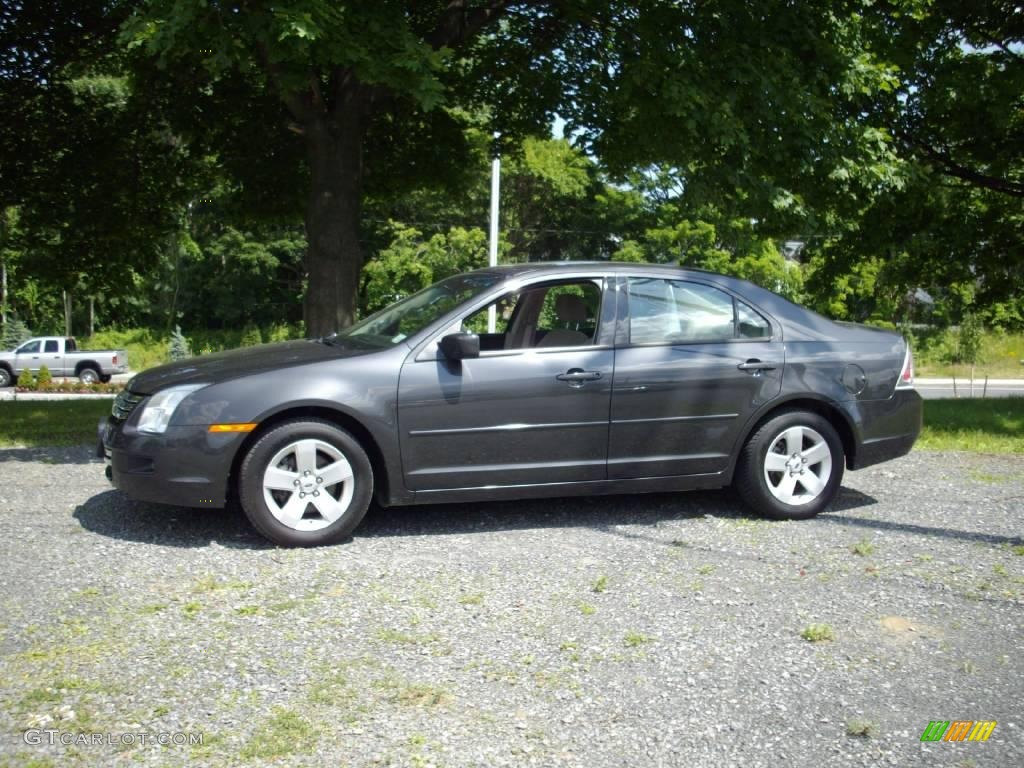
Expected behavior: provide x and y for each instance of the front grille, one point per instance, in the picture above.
(124, 404)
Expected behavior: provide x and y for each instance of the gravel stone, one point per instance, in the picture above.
(476, 634)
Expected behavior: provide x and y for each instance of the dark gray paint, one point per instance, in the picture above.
(659, 417)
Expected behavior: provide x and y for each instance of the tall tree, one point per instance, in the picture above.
(759, 94)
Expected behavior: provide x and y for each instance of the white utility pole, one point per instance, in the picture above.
(492, 317)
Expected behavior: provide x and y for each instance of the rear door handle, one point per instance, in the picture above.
(754, 365)
(576, 376)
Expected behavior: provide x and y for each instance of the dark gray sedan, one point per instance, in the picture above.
(517, 382)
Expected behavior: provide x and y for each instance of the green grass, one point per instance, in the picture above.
(864, 548)
(986, 426)
(818, 633)
(60, 422)
(286, 733)
(999, 358)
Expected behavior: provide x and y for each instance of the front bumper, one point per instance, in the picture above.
(185, 466)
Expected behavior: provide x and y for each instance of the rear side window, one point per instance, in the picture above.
(678, 311)
(51, 345)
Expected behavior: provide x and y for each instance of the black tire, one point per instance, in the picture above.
(88, 375)
(7, 379)
(105, 379)
(754, 482)
(272, 444)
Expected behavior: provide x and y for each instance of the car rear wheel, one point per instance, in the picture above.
(88, 375)
(306, 483)
(791, 467)
(6, 379)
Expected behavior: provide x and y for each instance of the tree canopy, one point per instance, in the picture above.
(162, 155)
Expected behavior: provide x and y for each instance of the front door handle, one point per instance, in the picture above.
(755, 366)
(577, 376)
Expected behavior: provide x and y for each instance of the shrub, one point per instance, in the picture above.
(179, 347)
(45, 380)
(26, 380)
(251, 336)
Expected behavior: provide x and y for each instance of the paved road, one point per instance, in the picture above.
(933, 389)
(619, 632)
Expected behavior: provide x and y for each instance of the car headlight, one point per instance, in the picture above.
(156, 414)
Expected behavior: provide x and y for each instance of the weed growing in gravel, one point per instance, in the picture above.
(706, 569)
(1019, 550)
(475, 598)
(212, 584)
(286, 733)
(587, 609)
(861, 728)
(600, 585)
(1000, 570)
(152, 608)
(191, 609)
(405, 638)
(247, 610)
(633, 639)
(411, 694)
(818, 633)
(864, 548)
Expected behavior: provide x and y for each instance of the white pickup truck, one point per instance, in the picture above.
(63, 358)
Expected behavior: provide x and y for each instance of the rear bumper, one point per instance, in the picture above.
(887, 428)
(185, 466)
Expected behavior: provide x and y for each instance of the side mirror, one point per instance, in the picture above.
(460, 346)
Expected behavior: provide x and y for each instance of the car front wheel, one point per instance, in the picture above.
(306, 483)
(791, 467)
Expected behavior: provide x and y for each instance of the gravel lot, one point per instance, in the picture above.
(625, 631)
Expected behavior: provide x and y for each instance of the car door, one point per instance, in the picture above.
(52, 357)
(531, 409)
(26, 357)
(696, 362)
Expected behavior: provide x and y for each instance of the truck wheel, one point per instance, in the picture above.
(306, 483)
(6, 379)
(791, 468)
(88, 375)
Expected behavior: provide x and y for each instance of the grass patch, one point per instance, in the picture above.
(587, 609)
(985, 426)
(411, 694)
(634, 639)
(475, 598)
(999, 357)
(600, 585)
(286, 733)
(864, 548)
(55, 422)
(818, 633)
(861, 728)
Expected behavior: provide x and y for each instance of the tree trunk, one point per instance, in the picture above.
(334, 256)
(67, 313)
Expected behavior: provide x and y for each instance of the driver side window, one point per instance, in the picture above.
(29, 349)
(559, 314)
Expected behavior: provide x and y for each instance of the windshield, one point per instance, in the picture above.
(395, 323)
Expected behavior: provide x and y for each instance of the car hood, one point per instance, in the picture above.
(224, 366)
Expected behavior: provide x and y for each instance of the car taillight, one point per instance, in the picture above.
(115, 359)
(906, 380)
